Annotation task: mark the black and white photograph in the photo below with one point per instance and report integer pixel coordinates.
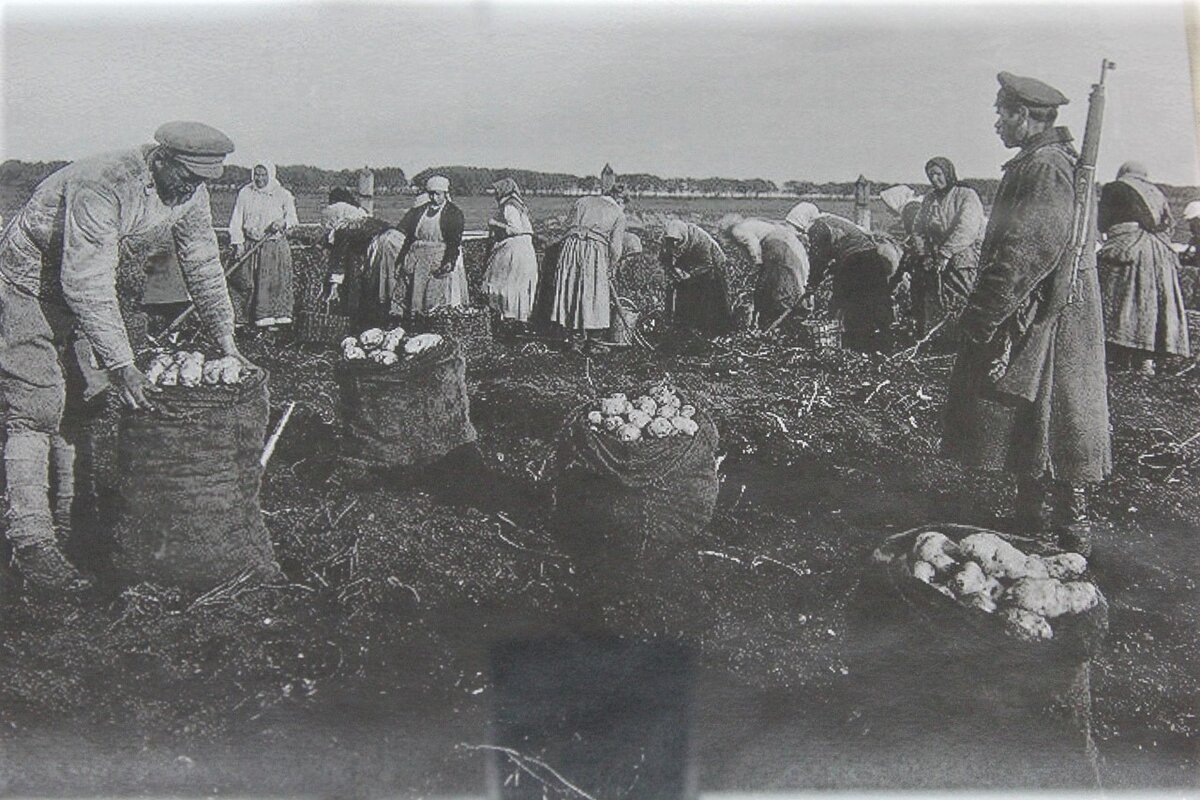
(600, 400)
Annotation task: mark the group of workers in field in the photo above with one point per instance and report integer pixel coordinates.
(1028, 392)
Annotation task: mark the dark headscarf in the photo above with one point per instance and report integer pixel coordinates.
(339, 194)
(947, 167)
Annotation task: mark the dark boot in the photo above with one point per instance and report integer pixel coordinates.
(1072, 522)
(45, 568)
(1029, 517)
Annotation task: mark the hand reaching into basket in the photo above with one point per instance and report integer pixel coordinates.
(133, 387)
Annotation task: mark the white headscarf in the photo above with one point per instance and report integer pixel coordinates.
(803, 215)
(1192, 210)
(897, 197)
(272, 183)
(437, 183)
(728, 222)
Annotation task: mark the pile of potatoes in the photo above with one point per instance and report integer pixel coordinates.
(386, 347)
(190, 368)
(988, 573)
(658, 414)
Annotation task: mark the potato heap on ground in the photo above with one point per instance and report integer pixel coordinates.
(386, 347)
(986, 572)
(189, 368)
(658, 414)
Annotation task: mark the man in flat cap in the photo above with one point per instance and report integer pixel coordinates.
(62, 338)
(1029, 391)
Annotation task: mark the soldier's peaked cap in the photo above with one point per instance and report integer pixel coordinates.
(199, 147)
(1029, 91)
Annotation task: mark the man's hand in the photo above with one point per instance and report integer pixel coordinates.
(237, 251)
(443, 270)
(808, 302)
(133, 387)
(229, 348)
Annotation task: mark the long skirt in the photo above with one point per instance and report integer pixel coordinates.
(702, 302)
(420, 291)
(510, 283)
(272, 297)
(1143, 300)
(581, 289)
(368, 287)
(777, 287)
(936, 295)
(862, 296)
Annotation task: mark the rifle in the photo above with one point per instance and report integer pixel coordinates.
(1085, 176)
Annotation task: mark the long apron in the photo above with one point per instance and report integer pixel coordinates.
(510, 283)
(581, 291)
(421, 291)
(273, 297)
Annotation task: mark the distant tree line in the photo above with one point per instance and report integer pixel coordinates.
(475, 180)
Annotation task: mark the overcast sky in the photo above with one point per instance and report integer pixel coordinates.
(807, 91)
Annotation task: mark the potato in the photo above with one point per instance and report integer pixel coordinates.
(639, 418)
(595, 418)
(924, 571)
(981, 601)
(1026, 625)
(686, 426)
(191, 372)
(687, 411)
(613, 423)
(968, 580)
(170, 376)
(212, 371)
(372, 337)
(646, 405)
(660, 428)
(384, 357)
(629, 432)
(1065, 565)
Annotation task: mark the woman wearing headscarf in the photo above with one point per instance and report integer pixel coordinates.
(590, 251)
(511, 279)
(1139, 273)
(431, 258)
(698, 296)
(862, 266)
(949, 232)
(262, 215)
(780, 257)
(343, 210)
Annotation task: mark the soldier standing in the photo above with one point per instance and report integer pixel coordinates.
(1029, 392)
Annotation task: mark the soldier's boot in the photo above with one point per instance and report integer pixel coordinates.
(1030, 513)
(36, 554)
(1072, 521)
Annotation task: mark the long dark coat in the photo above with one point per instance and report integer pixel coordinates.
(1029, 391)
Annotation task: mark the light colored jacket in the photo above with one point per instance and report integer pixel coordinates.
(63, 246)
(256, 209)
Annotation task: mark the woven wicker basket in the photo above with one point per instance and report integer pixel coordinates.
(321, 328)
(818, 334)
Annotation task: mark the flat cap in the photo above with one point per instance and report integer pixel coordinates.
(1029, 91)
(199, 147)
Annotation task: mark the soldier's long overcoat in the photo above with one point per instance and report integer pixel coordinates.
(1029, 391)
